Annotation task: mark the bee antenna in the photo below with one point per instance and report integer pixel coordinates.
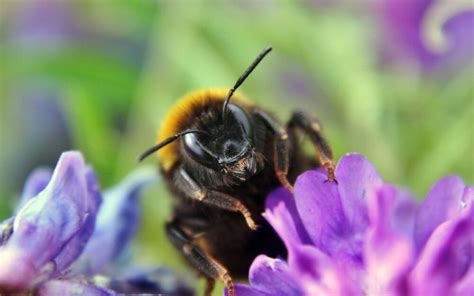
(243, 77)
(167, 141)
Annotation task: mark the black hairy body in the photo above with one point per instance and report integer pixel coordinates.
(224, 234)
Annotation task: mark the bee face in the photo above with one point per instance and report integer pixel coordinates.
(227, 146)
(242, 166)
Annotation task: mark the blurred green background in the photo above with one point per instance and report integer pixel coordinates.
(98, 76)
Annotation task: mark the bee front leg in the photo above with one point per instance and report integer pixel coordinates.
(312, 128)
(211, 197)
(210, 284)
(199, 259)
(281, 147)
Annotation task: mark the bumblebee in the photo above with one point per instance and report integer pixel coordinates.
(221, 155)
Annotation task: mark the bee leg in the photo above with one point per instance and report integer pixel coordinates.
(210, 284)
(211, 197)
(199, 259)
(281, 144)
(311, 127)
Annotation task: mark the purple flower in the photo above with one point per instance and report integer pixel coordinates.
(116, 223)
(430, 33)
(365, 237)
(51, 229)
(64, 232)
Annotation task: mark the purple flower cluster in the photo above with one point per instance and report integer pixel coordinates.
(64, 233)
(435, 34)
(362, 236)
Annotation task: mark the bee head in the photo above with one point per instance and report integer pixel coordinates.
(227, 147)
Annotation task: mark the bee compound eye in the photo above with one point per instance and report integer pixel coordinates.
(243, 120)
(197, 151)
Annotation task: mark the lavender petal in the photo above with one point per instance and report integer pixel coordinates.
(447, 199)
(356, 177)
(49, 226)
(243, 290)
(116, 224)
(404, 213)
(318, 274)
(321, 212)
(388, 254)
(77, 244)
(401, 21)
(446, 257)
(465, 286)
(272, 276)
(282, 214)
(35, 183)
